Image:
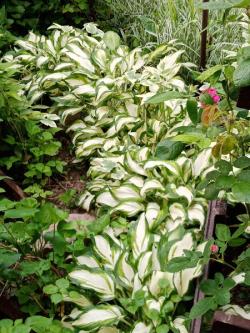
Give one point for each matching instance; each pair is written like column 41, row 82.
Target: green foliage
column 149, row 24
column 37, row 324
column 217, row 293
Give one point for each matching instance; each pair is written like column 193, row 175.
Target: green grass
column 150, row 22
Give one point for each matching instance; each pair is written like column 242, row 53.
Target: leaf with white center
column 85, row 63
column 70, row 112
column 54, row 77
column 196, row 213
column 125, row 271
column 99, row 57
column 63, row 66
column 171, row 166
column 151, row 185
column 143, row 154
column 103, row 249
column 92, row 144
column 85, row 200
column 153, row 305
column 87, row 261
column 41, row 61
column 169, row 61
column 114, row 64
column 85, row 89
column 202, row 162
column 134, row 166
column 183, row 191
column 96, row 280
column 239, row 278
column 140, row 237
column 145, row 265
column 152, row 212
column 142, row 328
column 126, row 193
column 177, row 211
column 128, row 208
column 106, row 199
column 120, row 122
column 178, row 324
column 136, row 180
column 137, row 284
column 236, row 310
column 132, row 109
column 177, row 249
column 97, row 317
column 155, row 280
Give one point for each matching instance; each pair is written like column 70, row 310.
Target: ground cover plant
column 156, row 150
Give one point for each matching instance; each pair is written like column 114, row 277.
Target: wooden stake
column 203, row 51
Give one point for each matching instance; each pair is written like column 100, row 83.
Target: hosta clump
column 127, row 276
column 90, row 76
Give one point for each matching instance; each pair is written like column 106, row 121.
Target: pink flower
column 216, row 99
column 214, row 248
column 213, row 93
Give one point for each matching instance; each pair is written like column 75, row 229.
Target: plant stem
column 223, row 262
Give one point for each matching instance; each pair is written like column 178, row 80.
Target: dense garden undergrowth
column 152, row 140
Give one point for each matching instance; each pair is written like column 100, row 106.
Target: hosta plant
column 128, row 276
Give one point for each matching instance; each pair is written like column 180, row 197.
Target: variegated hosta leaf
column 134, row 166
column 152, row 212
column 98, row 316
column 185, row 192
column 109, row 255
column 144, row 265
column 182, row 279
column 179, row 324
column 171, row 166
column 107, row 199
column 196, row 213
column 85, row 200
column 95, row 280
column 237, row 310
column 155, row 286
column 140, row 237
column 151, row 185
column 128, row 208
column 126, row 193
column 142, row 328
column 125, row 271
column 88, row 261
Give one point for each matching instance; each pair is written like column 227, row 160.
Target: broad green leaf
column 193, row 138
column 112, row 40
column 241, row 191
column 222, row 232
column 192, row 109
column 242, row 74
column 165, row 96
column 209, row 72
column 168, row 150
column 225, row 4
column 50, row 289
column 201, row 307
column 20, row 213
column 242, row 162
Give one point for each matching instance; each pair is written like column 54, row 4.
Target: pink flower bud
column 214, row 248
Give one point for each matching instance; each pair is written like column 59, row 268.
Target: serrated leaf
column 201, row 307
